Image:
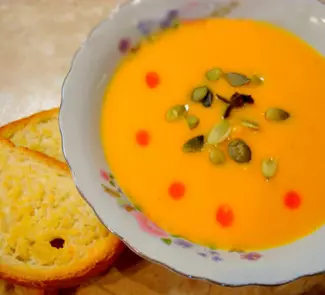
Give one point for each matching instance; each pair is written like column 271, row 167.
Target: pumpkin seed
column 257, row 80
column 219, row 132
column 194, row 144
column 207, row 101
column 216, row 156
column 214, row 74
column 275, row 114
column 176, row 112
column 199, row 93
column 192, row 121
column 269, row 167
column 239, row 151
column 250, row 124
column 236, row 79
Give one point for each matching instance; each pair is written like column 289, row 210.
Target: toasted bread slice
column 10, row 289
column 49, row 236
column 39, row 132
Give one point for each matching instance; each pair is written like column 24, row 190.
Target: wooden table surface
column 37, row 41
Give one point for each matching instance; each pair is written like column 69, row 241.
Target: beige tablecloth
column 37, row 41
column 135, row 276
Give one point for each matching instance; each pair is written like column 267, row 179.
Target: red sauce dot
column 152, row 79
column 177, row 190
column 225, row 216
column 292, row 200
column 142, row 137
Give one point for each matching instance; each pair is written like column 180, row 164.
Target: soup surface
column 227, row 205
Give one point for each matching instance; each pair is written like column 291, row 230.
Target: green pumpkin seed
column 216, row 156
column 269, row 167
column 208, row 100
column 214, row 74
column 192, row 121
column 200, row 93
column 239, row 151
column 176, row 112
column 250, row 124
column 257, row 80
column 194, row 145
column 275, row 114
column 236, row 79
column 219, row 132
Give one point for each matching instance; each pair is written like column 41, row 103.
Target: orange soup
column 214, row 130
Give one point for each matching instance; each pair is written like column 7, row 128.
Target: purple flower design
column 146, row 27
column 197, row 9
column 183, row 243
column 202, row 254
column 253, row 256
column 172, row 14
column 216, row 258
column 168, row 20
column 124, row 45
column 214, row 252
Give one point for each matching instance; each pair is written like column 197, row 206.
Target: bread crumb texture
column 49, row 235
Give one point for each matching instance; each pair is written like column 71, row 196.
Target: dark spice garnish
column 227, row 112
column 223, row 99
column 237, row 101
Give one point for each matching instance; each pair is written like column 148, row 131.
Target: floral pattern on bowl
column 111, row 187
column 193, row 10
column 80, row 110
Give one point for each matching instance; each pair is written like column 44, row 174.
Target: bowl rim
column 120, row 5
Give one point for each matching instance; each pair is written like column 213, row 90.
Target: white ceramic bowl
column 82, row 94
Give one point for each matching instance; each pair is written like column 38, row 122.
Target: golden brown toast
column 49, row 236
column 39, row 132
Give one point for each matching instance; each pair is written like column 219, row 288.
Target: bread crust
column 73, row 279
column 102, row 257
column 6, row 131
